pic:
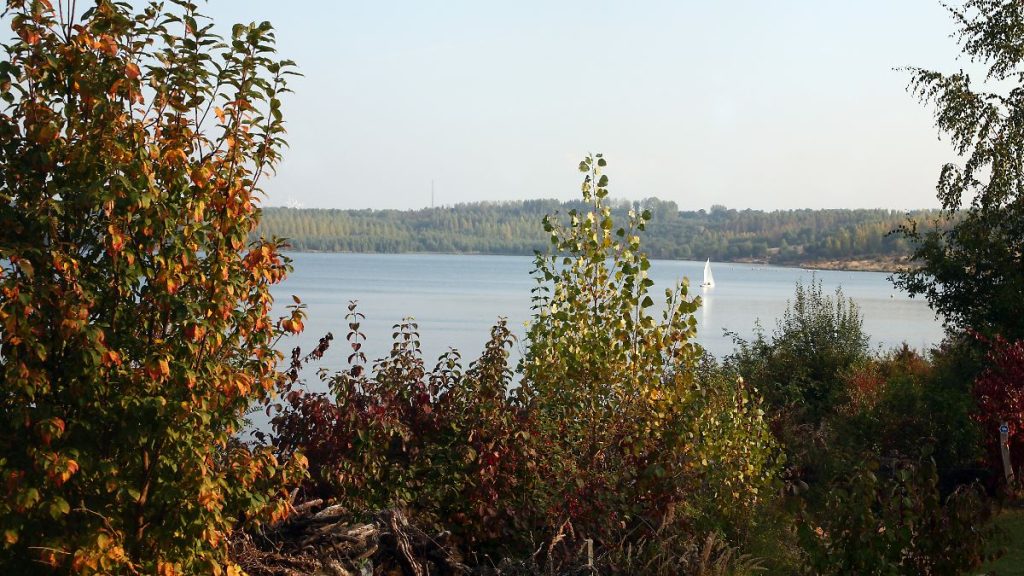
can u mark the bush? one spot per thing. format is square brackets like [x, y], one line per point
[628, 434]
[450, 445]
[891, 519]
[801, 368]
[901, 404]
[616, 429]
[135, 320]
[999, 390]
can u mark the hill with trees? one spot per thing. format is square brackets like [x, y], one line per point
[813, 237]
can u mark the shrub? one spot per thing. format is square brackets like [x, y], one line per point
[901, 404]
[627, 434]
[450, 445]
[999, 390]
[891, 519]
[615, 429]
[135, 320]
[801, 368]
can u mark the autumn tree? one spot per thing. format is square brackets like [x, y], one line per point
[972, 272]
[135, 326]
[630, 425]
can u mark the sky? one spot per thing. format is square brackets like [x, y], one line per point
[747, 103]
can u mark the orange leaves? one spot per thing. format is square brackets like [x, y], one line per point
[66, 472]
[116, 239]
[50, 429]
[106, 44]
[175, 157]
[158, 369]
[164, 568]
[195, 332]
[102, 556]
[111, 358]
[30, 36]
[132, 190]
[292, 325]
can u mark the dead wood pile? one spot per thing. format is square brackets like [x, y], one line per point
[321, 540]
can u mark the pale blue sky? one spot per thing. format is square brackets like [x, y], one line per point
[750, 104]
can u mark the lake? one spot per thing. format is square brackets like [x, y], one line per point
[455, 299]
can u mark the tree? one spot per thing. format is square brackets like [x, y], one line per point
[134, 313]
[631, 425]
[971, 262]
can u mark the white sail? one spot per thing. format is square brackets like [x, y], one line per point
[709, 279]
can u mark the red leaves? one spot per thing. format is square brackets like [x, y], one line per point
[1000, 388]
[999, 391]
[131, 70]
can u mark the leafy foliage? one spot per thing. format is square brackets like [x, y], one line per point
[616, 426]
[448, 444]
[135, 317]
[613, 388]
[904, 404]
[892, 520]
[972, 272]
[1000, 394]
[801, 368]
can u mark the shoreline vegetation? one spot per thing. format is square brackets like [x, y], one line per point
[854, 265]
[835, 239]
[138, 333]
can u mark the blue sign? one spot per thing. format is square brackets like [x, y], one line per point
[1004, 429]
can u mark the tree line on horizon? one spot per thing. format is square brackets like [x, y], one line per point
[511, 227]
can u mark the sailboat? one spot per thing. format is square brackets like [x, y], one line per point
[709, 279]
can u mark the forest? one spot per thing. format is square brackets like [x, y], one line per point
[140, 337]
[722, 234]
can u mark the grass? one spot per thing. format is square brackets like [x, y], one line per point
[1012, 562]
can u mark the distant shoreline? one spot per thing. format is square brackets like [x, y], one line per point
[853, 265]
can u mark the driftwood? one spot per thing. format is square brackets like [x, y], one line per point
[320, 540]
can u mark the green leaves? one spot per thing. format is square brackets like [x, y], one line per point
[972, 261]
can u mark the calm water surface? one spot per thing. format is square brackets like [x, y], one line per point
[456, 299]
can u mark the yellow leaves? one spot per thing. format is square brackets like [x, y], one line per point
[200, 176]
[10, 537]
[209, 499]
[116, 239]
[199, 211]
[213, 537]
[164, 568]
[175, 156]
[294, 326]
[220, 114]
